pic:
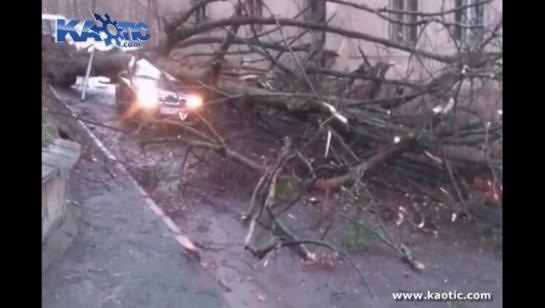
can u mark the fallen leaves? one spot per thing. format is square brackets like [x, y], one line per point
[491, 193]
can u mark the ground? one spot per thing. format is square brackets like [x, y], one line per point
[206, 200]
[122, 254]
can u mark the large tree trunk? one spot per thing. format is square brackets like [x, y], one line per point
[62, 63]
[318, 14]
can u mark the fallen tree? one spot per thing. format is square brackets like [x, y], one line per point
[350, 127]
[63, 63]
[347, 113]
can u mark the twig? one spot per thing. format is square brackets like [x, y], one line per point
[171, 26]
[324, 234]
[311, 85]
[258, 122]
[266, 54]
[307, 163]
[295, 38]
[228, 152]
[184, 160]
[367, 168]
[240, 41]
[230, 34]
[268, 181]
[257, 190]
[460, 198]
[304, 190]
[271, 221]
[386, 241]
[364, 57]
[404, 251]
[217, 136]
[348, 150]
[279, 228]
[263, 252]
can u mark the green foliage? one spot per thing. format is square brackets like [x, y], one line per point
[352, 241]
[284, 188]
[355, 239]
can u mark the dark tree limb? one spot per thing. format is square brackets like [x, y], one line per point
[205, 27]
[369, 167]
[402, 250]
[239, 41]
[231, 34]
[261, 253]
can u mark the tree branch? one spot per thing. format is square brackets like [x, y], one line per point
[205, 27]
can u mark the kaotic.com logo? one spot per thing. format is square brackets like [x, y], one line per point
[103, 29]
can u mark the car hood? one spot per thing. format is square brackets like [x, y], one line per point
[162, 93]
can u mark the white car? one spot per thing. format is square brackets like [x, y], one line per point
[147, 93]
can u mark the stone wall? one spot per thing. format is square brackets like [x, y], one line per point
[58, 158]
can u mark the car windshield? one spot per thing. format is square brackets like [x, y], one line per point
[145, 70]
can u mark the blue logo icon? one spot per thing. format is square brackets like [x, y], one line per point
[103, 29]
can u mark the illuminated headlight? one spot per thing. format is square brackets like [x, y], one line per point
[148, 96]
[194, 102]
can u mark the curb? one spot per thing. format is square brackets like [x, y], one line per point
[184, 241]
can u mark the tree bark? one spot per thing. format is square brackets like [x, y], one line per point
[63, 64]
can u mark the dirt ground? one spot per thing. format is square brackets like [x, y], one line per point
[207, 197]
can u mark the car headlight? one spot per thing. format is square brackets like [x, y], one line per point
[194, 102]
[148, 97]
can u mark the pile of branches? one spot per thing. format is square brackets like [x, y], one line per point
[349, 109]
[353, 114]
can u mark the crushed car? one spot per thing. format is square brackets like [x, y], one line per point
[145, 93]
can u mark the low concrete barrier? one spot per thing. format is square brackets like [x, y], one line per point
[58, 158]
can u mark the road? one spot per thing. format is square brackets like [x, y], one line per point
[123, 255]
[453, 263]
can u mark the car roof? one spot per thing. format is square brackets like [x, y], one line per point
[144, 68]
